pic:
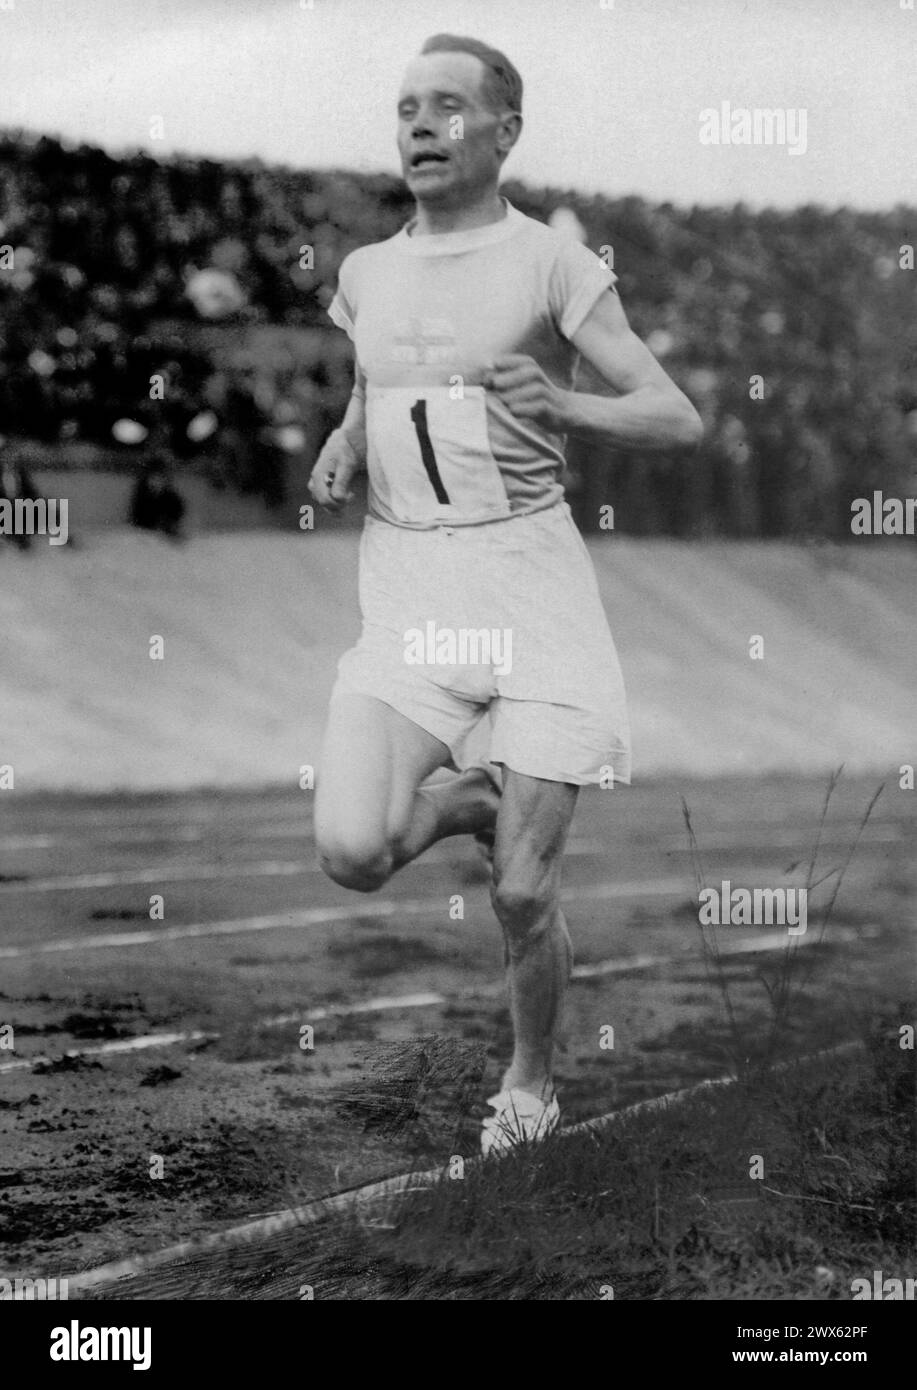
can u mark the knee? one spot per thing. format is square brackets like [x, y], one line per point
[524, 908]
[361, 863]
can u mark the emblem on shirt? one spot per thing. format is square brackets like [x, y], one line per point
[424, 342]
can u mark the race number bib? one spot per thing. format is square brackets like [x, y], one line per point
[429, 454]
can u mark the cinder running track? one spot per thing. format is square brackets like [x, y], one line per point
[171, 1043]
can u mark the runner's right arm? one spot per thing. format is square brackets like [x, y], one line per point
[343, 454]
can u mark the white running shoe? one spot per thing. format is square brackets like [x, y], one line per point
[520, 1119]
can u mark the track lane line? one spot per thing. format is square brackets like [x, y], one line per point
[425, 999]
[312, 917]
[163, 873]
[890, 833]
[578, 847]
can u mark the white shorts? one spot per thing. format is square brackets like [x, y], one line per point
[502, 620]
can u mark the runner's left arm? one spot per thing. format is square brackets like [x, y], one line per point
[648, 412]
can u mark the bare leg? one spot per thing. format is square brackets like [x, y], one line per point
[465, 805]
[372, 815]
[532, 827]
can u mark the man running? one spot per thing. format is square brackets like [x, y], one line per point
[481, 612]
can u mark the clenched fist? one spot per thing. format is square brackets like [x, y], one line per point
[336, 466]
[526, 391]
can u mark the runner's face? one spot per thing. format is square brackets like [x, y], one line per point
[445, 159]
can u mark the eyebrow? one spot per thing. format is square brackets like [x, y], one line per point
[439, 93]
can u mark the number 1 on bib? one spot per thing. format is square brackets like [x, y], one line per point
[419, 418]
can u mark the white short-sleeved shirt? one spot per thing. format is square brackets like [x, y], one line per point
[428, 317]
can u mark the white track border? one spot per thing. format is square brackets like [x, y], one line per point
[341, 1202]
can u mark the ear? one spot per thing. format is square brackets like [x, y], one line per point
[508, 132]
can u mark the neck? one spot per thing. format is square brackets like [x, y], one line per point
[432, 218]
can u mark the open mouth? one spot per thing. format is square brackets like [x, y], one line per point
[425, 158]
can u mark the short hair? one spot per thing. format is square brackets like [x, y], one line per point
[502, 85]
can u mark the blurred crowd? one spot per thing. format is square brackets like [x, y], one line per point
[177, 309]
